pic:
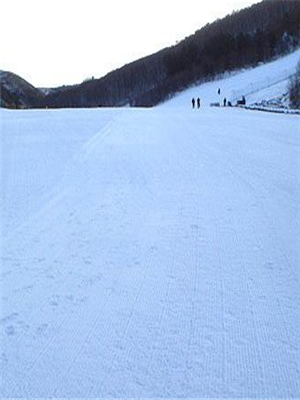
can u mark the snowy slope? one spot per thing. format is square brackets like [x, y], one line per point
[264, 82]
[150, 254]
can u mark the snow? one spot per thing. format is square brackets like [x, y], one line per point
[150, 253]
[265, 82]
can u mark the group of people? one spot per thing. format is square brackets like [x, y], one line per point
[194, 102]
[225, 102]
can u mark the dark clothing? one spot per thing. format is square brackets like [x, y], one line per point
[193, 103]
[242, 102]
[219, 91]
[198, 102]
[224, 102]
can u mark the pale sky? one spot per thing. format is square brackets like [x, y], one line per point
[55, 42]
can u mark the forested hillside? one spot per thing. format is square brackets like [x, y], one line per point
[15, 92]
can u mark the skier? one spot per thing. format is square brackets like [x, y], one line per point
[219, 91]
[193, 102]
[224, 102]
[198, 102]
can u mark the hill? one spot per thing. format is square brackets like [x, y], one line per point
[16, 92]
[266, 83]
[245, 38]
[254, 35]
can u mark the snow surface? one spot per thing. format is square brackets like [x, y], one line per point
[265, 82]
[150, 253]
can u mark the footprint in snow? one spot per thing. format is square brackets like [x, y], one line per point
[10, 330]
[41, 329]
[269, 265]
[9, 317]
[3, 358]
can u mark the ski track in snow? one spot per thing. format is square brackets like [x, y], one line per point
[150, 253]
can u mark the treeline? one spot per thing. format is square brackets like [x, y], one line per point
[118, 88]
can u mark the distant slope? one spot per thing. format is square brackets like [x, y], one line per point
[15, 92]
[257, 84]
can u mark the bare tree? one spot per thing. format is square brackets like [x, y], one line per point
[294, 89]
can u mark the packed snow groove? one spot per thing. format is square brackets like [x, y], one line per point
[150, 253]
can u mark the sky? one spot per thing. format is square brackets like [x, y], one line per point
[54, 42]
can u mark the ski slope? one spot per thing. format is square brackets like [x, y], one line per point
[265, 82]
[150, 254]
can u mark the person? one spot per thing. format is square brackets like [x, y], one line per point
[193, 102]
[198, 102]
[219, 91]
[241, 102]
[224, 102]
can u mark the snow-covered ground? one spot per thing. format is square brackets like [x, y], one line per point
[150, 254]
[153, 253]
[265, 82]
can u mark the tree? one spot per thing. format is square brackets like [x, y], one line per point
[294, 89]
